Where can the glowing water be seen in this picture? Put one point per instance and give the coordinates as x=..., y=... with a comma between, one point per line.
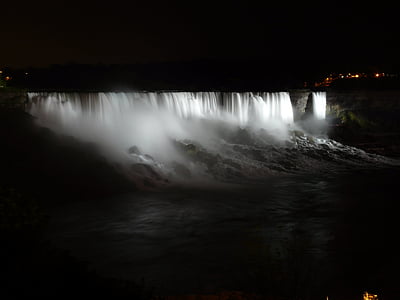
x=241, y=108
x=170, y=137
x=319, y=104
x=159, y=124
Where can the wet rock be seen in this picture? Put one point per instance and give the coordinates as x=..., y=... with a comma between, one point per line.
x=190, y=149
x=233, y=164
x=290, y=144
x=257, y=154
x=243, y=137
x=198, y=154
x=287, y=164
x=149, y=157
x=311, y=140
x=232, y=173
x=298, y=133
x=181, y=170
x=186, y=147
x=134, y=150
x=145, y=170
x=237, y=148
x=208, y=159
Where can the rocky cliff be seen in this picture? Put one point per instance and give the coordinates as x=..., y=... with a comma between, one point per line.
x=369, y=119
x=12, y=99
x=366, y=118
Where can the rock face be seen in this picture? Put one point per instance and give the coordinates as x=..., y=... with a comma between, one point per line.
x=13, y=99
x=372, y=100
x=369, y=119
x=299, y=99
x=366, y=107
x=365, y=118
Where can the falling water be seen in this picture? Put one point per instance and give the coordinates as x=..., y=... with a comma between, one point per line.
x=165, y=135
x=319, y=105
x=227, y=136
x=156, y=122
x=243, y=108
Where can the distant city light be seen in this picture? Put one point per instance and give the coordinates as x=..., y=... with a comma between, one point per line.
x=327, y=81
x=368, y=296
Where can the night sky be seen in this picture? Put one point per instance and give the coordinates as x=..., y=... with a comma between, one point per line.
x=40, y=33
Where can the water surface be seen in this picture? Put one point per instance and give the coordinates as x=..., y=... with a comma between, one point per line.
x=314, y=235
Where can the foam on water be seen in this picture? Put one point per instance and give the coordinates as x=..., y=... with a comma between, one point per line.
x=242, y=108
x=225, y=136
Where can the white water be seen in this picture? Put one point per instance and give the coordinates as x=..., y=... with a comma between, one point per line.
x=150, y=120
x=241, y=108
x=223, y=136
x=319, y=105
x=155, y=122
x=150, y=117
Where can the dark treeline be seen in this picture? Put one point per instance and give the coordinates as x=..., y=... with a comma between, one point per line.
x=243, y=75
x=197, y=75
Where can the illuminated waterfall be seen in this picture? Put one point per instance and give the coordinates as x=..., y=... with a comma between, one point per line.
x=319, y=105
x=243, y=108
x=155, y=123
x=151, y=136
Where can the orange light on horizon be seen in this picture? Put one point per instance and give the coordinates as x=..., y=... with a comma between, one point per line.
x=377, y=74
x=368, y=296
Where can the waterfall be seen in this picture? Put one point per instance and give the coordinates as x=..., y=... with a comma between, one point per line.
x=154, y=136
x=319, y=105
x=244, y=108
x=142, y=130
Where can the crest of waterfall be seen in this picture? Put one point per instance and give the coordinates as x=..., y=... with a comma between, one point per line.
x=243, y=108
x=319, y=105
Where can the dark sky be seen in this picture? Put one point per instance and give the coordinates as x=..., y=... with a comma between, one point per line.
x=39, y=33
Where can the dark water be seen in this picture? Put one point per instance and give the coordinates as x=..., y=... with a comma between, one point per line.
x=297, y=236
